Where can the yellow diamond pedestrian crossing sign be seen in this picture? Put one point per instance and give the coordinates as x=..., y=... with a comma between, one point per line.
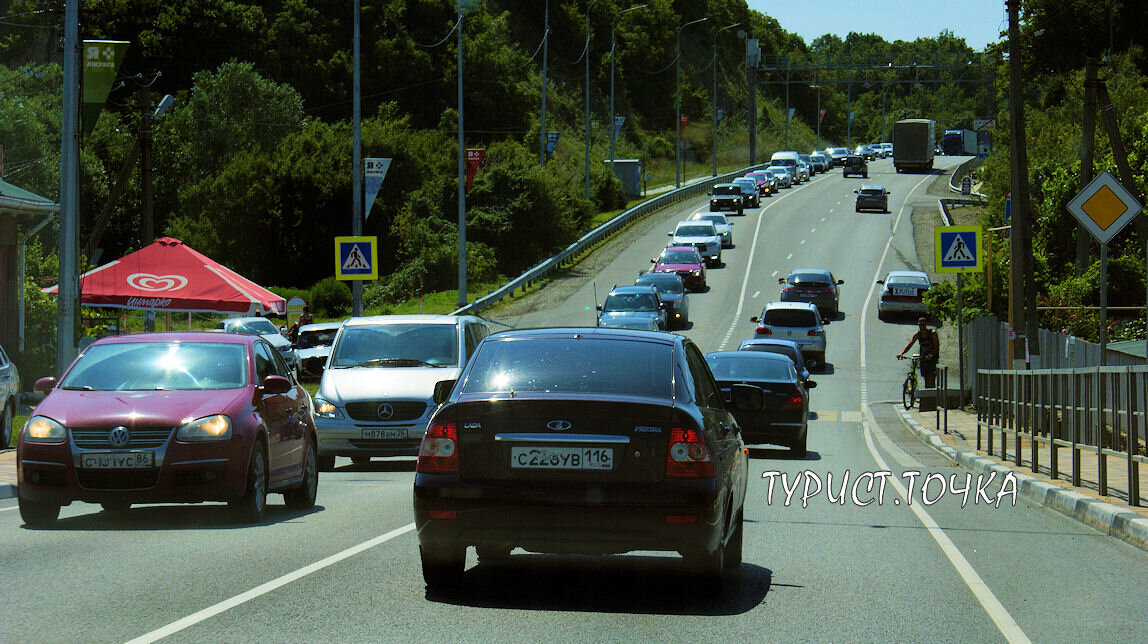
x=1104, y=207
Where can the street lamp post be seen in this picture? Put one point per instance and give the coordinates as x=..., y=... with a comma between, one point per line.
x=678, y=103
x=817, y=85
x=587, y=55
x=613, y=27
x=715, y=92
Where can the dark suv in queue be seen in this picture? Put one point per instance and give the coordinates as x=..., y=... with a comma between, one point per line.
x=583, y=441
x=855, y=164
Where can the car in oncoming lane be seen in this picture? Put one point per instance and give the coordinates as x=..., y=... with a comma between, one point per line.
x=261, y=326
x=750, y=190
x=702, y=235
x=722, y=223
x=903, y=292
x=797, y=321
x=632, y=307
x=169, y=418
x=784, y=419
x=727, y=197
x=672, y=291
x=313, y=345
x=781, y=176
x=596, y=442
x=686, y=261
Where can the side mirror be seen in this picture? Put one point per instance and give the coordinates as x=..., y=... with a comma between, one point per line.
x=857, y=192
x=840, y=281
x=442, y=390
x=882, y=282
x=275, y=385
x=598, y=306
x=44, y=385
x=753, y=319
x=669, y=234
x=809, y=384
x=654, y=261
x=745, y=397
x=781, y=280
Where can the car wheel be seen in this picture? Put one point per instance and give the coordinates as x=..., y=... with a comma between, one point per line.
x=252, y=508
x=38, y=513
x=733, y=548
x=443, y=566
x=857, y=209
x=116, y=507
x=303, y=497
x=866, y=175
x=6, y=427
x=326, y=463
x=798, y=448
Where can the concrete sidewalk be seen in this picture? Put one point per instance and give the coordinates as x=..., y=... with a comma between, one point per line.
x=1110, y=513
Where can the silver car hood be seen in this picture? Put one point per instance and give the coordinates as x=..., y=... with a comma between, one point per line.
x=277, y=340
x=340, y=386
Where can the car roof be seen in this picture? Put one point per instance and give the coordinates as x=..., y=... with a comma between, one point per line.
x=633, y=288
x=773, y=342
x=873, y=187
x=821, y=271
x=665, y=277
x=662, y=337
x=375, y=320
x=320, y=326
x=749, y=355
x=179, y=336
x=896, y=274
x=724, y=185
x=681, y=248
x=797, y=306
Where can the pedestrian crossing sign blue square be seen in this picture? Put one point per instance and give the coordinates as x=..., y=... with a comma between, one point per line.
x=957, y=249
x=356, y=258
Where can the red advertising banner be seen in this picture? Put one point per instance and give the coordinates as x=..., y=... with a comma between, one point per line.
x=821, y=116
x=682, y=125
x=473, y=159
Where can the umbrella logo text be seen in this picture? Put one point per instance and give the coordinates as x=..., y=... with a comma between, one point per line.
x=149, y=282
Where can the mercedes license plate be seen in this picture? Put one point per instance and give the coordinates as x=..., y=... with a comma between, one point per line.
x=117, y=460
x=562, y=458
x=391, y=434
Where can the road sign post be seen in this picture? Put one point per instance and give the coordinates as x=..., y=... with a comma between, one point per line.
x=1103, y=208
x=959, y=249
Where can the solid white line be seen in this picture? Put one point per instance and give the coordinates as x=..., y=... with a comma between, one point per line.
x=813, y=230
x=16, y=507
x=823, y=219
x=774, y=275
x=789, y=256
x=258, y=591
x=996, y=611
x=802, y=243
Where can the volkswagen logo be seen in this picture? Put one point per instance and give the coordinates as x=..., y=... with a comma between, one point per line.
x=559, y=425
x=385, y=411
x=119, y=437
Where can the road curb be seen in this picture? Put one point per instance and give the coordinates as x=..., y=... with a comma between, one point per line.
x=7, y=491
x=1126, y=526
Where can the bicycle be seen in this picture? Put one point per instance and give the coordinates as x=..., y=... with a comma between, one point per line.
x=909, y=387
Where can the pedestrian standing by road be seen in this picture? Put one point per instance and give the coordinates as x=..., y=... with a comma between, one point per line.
x=929, y=344
x=304, y=318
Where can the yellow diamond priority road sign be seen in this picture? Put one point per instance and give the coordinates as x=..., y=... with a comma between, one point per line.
x=1104, y=207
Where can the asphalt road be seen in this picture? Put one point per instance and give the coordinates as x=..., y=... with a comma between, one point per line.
x=950, y=567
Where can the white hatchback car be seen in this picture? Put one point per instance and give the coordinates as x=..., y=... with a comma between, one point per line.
x=796, y=321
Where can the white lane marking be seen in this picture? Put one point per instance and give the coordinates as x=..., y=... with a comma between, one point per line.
x=996, y=611
x=823, y=219
x=259, y=591
x=16, y=507
x=813, y=230
x=789, y=256
x=802, y=243
x=755, y=294
x=830, y=210
x=774, y=275
x=745, y=280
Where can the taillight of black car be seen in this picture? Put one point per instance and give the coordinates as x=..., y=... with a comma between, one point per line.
x=794, y=402
x=438, y=453
x=688, y=456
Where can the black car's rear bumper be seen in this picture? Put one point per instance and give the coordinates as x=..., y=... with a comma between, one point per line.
x=677, y=515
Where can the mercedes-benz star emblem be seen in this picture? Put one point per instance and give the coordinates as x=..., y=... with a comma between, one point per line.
x=385, y=411
x=119, y=437
x=559, y=425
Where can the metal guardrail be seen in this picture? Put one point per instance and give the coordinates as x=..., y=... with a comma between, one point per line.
x=1102, y=410
x=961, y=171
x=566, y=255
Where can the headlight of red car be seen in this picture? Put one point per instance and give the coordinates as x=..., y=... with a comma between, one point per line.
x=44, y=430
x=208, y=428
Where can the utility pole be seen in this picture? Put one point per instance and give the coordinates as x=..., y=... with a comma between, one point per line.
x=714, y=154
x=356, y=160
x=752, y=57
x=1020, y=253
x=587, y=97
x=461, y=177
x=68, y=247
x=545, y=52
x=678, y=104
x=787, y=119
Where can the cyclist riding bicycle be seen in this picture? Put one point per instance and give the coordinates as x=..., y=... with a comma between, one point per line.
x=930, y=348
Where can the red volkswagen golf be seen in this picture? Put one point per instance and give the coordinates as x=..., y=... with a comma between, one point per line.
x=169, y=418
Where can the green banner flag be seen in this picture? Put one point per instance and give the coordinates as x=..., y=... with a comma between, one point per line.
x=102, y=59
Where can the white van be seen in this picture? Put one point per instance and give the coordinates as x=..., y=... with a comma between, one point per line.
x=788, y=160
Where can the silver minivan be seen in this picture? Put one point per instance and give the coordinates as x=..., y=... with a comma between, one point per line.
x=377, y=391
x=788, y=160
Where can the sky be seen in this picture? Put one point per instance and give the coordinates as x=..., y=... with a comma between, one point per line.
x=979, y=22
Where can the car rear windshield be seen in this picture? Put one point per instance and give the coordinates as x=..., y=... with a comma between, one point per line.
x=809, y=279
x=593, y=366
x=396, y=345
x=621, y=302
x=734, y=368
x=727, y=190
x=872, y=192
x=151, y=366
x=788, y=352
x=745, y=183
x=679, y=257
x=250, y=327
x=790, y=317
x=663, y=285
x=695, y=231
x=908, y=280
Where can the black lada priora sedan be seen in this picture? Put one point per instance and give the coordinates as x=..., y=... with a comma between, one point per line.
x=583, y=441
